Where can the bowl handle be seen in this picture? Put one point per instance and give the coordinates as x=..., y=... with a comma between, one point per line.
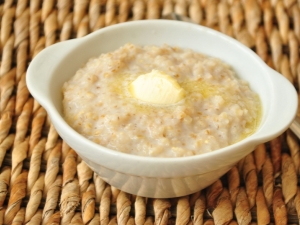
x=285, y=101
x=39, y=71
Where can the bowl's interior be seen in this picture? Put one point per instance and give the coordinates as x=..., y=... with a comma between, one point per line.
x=248, y=66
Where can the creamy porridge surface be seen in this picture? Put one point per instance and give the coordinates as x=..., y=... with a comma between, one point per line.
x=218, y=108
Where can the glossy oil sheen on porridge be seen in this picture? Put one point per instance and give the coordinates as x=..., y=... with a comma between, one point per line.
x=218, y=108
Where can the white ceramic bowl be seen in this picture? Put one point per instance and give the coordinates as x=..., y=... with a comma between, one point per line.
x=161, y=177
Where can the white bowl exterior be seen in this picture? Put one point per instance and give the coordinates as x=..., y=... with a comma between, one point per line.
x=157, y=177
x=157, y=187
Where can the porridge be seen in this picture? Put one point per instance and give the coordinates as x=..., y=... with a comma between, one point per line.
x=216, y=110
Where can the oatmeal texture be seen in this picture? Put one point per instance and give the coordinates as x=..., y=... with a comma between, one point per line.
x=218, y=109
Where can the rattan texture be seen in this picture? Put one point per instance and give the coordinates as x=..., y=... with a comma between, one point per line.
x=43, y=180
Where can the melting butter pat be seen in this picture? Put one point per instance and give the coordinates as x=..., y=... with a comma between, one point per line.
x=157, y=87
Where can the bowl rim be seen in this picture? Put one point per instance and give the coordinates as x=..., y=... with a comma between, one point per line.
x=55, y=115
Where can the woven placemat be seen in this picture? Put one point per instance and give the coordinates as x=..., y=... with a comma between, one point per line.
x=43, y=181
